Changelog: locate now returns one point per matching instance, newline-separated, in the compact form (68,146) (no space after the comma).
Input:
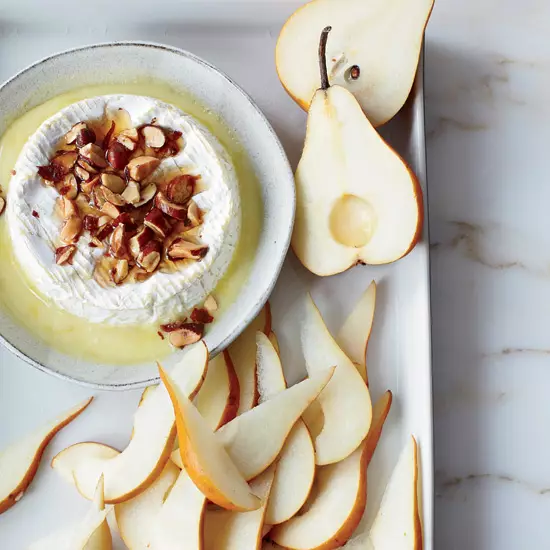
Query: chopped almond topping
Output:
(201,315)
(64,254)
(210,304)
(188,334)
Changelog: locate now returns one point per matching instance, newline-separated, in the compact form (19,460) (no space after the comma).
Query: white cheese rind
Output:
(162,297)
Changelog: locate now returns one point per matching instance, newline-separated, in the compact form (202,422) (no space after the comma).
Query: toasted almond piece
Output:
(102,275)
(90,223)
(210,303)
(157,222)
(171,208)
(81,174)
(201,315)
(140,168)
(120,271)
(188,334)
(194,213)
(67,208)
(182,249)
(65,160)
(71,230)
(87,166)
(149,257)
(113,198)
(181,188)
(85,136)
(104,220)
(113,182)
(111,210)
(129,138)
(132,193)
(51,173)
(138,242)
(88,186)
(175,325)
(105,229)
(154,136)
(117,155)
(119,240)
(147,193)
(138,275)
(94,155)
(2,205)
(72,134)
(64,254)
(68,187)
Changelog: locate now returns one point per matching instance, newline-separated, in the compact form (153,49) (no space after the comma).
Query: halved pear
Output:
(204,456)
(353,337)
(397,525)
(345,397)
(337,502)
(239,531)
(243,355)
(20,461)
(255,438)
(134,469)
(357,200)
(92,533)
(374,51)
(296,462)
(136,517)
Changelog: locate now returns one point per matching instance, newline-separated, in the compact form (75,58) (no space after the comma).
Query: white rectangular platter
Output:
(239,38)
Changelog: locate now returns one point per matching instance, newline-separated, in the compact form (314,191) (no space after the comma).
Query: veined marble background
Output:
(488,136)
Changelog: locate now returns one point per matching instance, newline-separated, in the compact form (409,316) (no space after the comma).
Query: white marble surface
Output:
(488,80)
(487,105)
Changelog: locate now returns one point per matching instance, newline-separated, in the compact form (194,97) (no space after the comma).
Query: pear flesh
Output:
(374,51)
(357,200)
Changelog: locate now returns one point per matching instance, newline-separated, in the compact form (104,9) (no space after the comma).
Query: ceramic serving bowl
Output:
(119,63)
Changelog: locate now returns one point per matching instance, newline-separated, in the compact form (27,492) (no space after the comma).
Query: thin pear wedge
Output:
(353,337)
(243,355)
(19,462)
(337,502)
(255,439)
(134,469)
(136,517)
(204,457)
(92,533)
(239,531)
(374,51)
(397,525)
(345,396)
(218,399)
(357,200)
(296,462)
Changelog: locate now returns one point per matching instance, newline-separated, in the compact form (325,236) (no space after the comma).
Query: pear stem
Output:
(323,58)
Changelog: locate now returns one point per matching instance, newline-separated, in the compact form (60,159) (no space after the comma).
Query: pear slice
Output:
(296,463)
(374,51)
(218,399)
(204,457)
(19,462)
(275,341)
(397,525)
(255,439)
(136,517)
(353,337)
(133,470)
(357,200)
(239,531)
(346,395)
(243,355)
(92,533)
(339,497)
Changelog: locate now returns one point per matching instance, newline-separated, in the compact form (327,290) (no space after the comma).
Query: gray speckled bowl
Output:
(122,62)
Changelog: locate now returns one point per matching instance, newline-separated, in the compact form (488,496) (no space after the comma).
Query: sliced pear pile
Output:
(19,462)
(374,51)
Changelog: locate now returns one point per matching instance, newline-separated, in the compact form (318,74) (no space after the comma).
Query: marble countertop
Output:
(487,82)
(487,88)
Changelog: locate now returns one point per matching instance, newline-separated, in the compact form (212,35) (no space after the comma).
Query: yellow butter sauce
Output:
(101,342)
